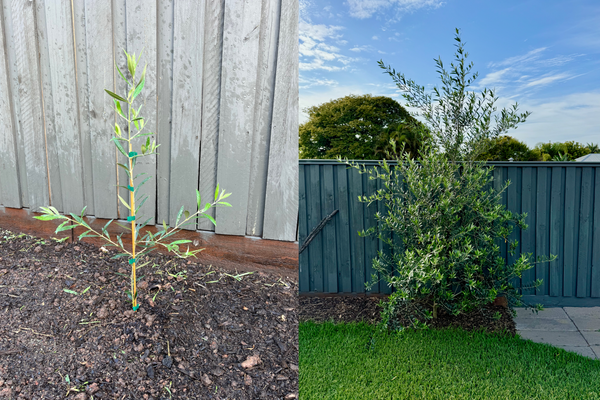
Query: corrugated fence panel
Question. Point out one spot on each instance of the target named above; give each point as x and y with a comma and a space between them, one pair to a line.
561, 200
224, 108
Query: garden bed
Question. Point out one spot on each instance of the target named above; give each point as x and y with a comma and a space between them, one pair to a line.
200, 332
366, 309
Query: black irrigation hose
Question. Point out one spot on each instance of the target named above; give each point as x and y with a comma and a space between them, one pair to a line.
315, 231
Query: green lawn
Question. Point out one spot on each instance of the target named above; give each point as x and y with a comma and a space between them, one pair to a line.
356, 361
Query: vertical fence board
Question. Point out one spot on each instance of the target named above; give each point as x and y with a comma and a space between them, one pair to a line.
342, 229
314, 217
595, 284
31, 113
82, 104
141, 36
281, 202
164, 90
542, 232
188, 38
120, 87
9, 174
98, 21
514, 204
304, 264
556, 231
330, 274
570, 243
371, 242
238, 84
263, 110
528, 236
15, 109
499, 181
576, 230
357, 225
59, 27
584, 261
384, 247
56, 193
211, 99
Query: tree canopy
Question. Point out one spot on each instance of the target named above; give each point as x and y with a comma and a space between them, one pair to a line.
356, 127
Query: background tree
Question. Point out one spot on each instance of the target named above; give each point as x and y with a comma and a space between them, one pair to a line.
566, 151
505, 147
353, 127
406, 137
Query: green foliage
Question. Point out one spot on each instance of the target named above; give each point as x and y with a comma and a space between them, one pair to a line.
505, 147
460, 121
443, 220
149, 241
354, 127
567, 151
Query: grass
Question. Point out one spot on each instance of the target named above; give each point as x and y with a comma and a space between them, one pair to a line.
356, 361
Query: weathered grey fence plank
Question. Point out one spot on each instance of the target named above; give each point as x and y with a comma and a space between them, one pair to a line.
82, 104
188, 41
164, 90
514, 205
31, 113
557, 206
263, 111
528, 236
9, 174
55, 185
241, 29
141, 38
281, 203
15, 109
59, 27
211, 100
584, 261
119, 31
99, 51
371, 242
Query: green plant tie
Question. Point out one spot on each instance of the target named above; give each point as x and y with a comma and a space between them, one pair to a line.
131, 261
131, 218
131, 188
132, 154
136, 307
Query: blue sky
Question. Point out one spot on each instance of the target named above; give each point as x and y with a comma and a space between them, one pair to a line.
543, 54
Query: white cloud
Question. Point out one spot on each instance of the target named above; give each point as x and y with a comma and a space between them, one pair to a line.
306, 83
362, 9
375, 38
358, 49
547, 80
315, 51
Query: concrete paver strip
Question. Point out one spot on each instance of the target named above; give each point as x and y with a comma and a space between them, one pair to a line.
544, 324
555, 338
546, 313
596, 350
592, 337
587, 323
589, 312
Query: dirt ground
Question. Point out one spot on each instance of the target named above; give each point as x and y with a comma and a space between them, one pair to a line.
363, 308
67, 329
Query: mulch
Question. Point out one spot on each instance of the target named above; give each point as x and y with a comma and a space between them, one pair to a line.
200, 333
366, 309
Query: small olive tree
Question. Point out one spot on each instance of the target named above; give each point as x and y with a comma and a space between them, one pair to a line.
443, 221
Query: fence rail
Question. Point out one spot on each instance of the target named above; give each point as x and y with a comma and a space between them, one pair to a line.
221, 96
561, 199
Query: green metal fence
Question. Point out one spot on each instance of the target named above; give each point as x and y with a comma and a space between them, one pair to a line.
561, 199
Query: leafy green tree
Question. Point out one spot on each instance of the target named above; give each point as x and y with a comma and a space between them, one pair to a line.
505, 147
353, 127
593, 147
401, 138
566, 151
440, 206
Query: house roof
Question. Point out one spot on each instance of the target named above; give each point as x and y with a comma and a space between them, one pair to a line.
590, 158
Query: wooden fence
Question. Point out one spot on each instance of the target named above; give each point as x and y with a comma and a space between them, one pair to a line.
221, 95
561, 199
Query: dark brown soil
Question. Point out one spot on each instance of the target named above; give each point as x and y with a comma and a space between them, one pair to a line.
195, 335
363, 308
